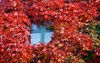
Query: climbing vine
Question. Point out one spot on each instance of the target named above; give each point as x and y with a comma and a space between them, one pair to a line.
76, 26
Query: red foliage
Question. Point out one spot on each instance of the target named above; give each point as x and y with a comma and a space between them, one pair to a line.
67, 19
15, 38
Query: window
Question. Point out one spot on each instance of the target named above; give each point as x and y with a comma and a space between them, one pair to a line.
40, 34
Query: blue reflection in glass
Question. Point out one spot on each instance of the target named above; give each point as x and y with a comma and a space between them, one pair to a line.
40, 34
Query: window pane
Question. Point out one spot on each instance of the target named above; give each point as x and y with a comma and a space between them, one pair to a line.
37, 34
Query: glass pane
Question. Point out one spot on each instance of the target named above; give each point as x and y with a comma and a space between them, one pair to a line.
40, 34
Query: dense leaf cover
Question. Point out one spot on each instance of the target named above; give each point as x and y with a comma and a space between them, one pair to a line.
15, 38
76, 26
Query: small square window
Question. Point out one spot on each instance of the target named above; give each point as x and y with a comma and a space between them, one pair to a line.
40, 34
